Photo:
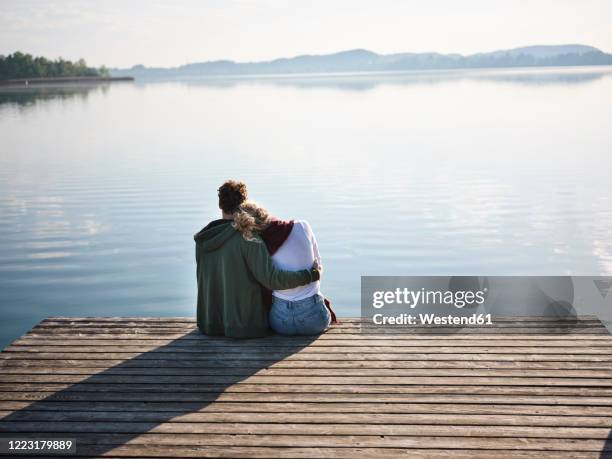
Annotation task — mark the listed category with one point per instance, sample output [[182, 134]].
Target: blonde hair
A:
[[251, 218]]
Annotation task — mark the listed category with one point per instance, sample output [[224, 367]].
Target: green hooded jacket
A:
[[230, 273]]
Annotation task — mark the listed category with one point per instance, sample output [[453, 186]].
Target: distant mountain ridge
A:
[[362, 60]]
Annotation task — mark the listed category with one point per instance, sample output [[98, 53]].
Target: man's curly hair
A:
[[231, 194]]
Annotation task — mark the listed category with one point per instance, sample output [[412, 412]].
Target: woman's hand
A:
[[315, 272]]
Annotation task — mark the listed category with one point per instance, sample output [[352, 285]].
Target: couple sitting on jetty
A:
[[256, 272]]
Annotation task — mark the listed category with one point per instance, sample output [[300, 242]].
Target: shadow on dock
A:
[[118, 403], [606, 452]]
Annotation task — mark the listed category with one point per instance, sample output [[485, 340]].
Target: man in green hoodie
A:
[[231, 272]]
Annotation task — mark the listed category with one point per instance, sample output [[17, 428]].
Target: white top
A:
[[299, 251]]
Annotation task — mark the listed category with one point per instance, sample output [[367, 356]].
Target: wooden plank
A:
[[167, 366], [157, 380], [171, 390], [441, 331], [30, 374], [308, 418], [306, 397], [468, 430], [379, 350], [450, 444], [142, 451], [309, 407], [344, 321], [344, 328], [564, 331], [274, 342], [327, 336], [359, 372], [364, 441], [257, 356], [353, 327], [510, 333]]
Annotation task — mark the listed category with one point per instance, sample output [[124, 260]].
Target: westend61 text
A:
[[432, 319]]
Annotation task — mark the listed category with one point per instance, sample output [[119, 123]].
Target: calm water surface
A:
[[456, 173]]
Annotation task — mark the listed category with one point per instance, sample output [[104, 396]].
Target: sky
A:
[[122, 33]]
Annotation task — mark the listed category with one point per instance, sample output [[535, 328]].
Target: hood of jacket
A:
[[214, 235]]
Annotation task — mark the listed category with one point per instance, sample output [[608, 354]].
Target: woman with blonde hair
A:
[[292, 245]]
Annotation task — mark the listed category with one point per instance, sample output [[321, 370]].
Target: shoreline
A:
[[26, 82]]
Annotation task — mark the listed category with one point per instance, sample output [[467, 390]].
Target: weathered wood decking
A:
[[155, 387]]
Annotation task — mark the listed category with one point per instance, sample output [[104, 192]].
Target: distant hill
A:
[[361, 60], [547, 51]]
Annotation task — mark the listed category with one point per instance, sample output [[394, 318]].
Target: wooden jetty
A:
[[155, 387]]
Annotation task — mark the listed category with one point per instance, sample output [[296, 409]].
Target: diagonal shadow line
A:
[[117, 404], [606, 452]]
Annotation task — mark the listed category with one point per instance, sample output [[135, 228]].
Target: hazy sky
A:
[[167, 33]]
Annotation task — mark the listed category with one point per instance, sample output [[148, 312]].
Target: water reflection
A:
[[27, 97], [24, 97], [368, 81]]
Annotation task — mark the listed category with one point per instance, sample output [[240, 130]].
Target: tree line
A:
[[20, 65]]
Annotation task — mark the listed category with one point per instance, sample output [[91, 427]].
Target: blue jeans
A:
[[303, 317]]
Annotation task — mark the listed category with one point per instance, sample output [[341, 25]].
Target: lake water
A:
[[446, 173]]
